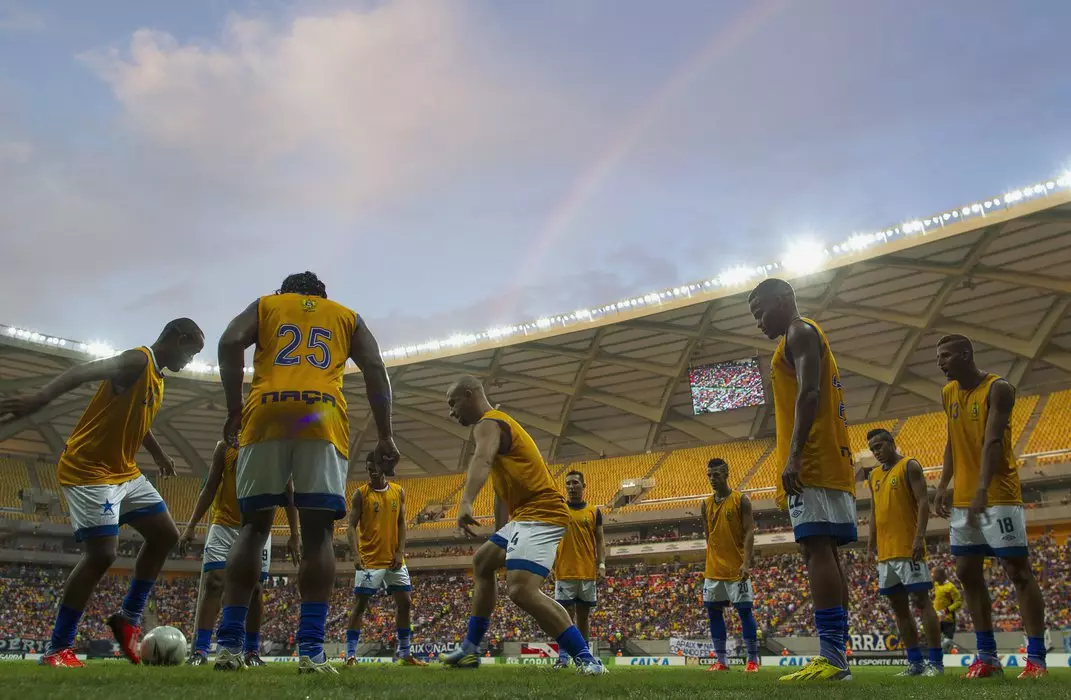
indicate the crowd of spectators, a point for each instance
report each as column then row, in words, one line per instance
column 725, row 386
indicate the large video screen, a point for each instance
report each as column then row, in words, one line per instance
column 724, row 386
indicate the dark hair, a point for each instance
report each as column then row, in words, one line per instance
column 181, row 326
column 580, row 474
column 305, row 283
column 717, row 462
column 960, row 342
column 772, row 287
column 878, row 431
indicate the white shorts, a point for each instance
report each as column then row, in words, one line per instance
column 218, row 547
column 896, row 575
column 1001, row 532
column 318, row 470
column 735, row 592
column 370, row 581
column 575, row 593
column 99, row 510
column 821, row 512
column 530, row 545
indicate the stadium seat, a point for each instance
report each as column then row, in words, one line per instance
column 13, row 478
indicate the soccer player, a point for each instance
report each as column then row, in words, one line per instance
column 220, row 493
column 729, row 530
column 528, row 543
column 817, row 483
column 987, row 516
column 900, row 514
column 102, row 483
column 947, row 601
column 377, row 540
column 581, row 558
column 294, row 426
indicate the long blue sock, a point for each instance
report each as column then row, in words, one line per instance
column 914, row 656
column 202, row 640
column 310, row 635
column 717, row 630
column 987, row 646
column 937, row 657
column 405, row 637
column 231, row 632
column 574, row 643
column 830, row 624
column 563, row 655
column 1035, row 650
column 353, row 640
column 252, row 642
column 135, row 600
column 477, row 629
column 750, row 630
column 65, row 629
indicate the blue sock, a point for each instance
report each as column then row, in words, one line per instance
column 353, row 640
column 563, row 655
column 987, row 646
column 574, row 644
column 717, row 630
column 914, row 656
column 134, row 603
column 830, row 624
column 477, row 629
column 202, row 640
column 66, row 628
column 937, row 657
column 844, row 630
column 405, row 636
column 231, row 632
column 252, row 642
column 750, row 631
column 1035, row 650
column 310, row 635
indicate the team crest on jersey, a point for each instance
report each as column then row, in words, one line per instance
column 894, row 481
column 974, row 410
column 308, row 304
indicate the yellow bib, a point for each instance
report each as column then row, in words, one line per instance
column 378, row 527
column 895, row 510
column 521, row 478
column 225, row 503
column 967, row 412
column 725, row 538
column 576, row 552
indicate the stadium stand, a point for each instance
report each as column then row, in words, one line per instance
column 1053, row 429
column 684, row 472
column 604, row 476
column 13, row 478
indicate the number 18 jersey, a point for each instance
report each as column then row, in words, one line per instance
column 303, row 343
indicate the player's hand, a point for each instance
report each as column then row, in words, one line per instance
column 21, row 406
column 744, row 573
column 167, row 466
column 940, row 502
column 872, row 553
column 232, row 427
column 293, row 549
column 185, row 541
column 918, row 550
column 397, row 560
column 465, row 521
column 358, row 565
column 790, row 476
column 977, row 507
column 386, row 455
column 602, row 571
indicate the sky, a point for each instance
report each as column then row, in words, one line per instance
column 450, row 166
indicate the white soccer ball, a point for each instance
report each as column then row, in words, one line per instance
column 163, row 646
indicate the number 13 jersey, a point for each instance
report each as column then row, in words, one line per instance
column 303, row 343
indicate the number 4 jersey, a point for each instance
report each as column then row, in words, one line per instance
column 302, row 346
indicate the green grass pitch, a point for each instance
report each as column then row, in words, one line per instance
column 111, row 680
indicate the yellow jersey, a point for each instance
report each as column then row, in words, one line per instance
column 377, row 530
column 521, row 478
column 577, row 553
column 967, row 412
column 225, row 503
column 103, row 446
column 946, row 598
column 895, row 510
column 826, row 461
column 725, row 538
column 303, row 343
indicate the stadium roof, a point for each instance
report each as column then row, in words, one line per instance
column 616, row 383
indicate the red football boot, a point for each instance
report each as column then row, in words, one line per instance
column 981, row 669
column 64, row 658
column 1033, row 670
column 128, row 635
column 718, row 666
column 752, row 667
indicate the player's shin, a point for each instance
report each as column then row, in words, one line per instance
column 65, row 629
column 750, row 631
column 718, row 634
column 353, row 640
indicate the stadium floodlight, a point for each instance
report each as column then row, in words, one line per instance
column 804, row 257
column 736, row 276
column 100, row 350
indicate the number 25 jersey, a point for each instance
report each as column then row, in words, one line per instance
column 303, row 343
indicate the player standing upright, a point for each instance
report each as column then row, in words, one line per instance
column 377, row 540
column 581, row 559
column 729, row 530
column 102, row 483
column 947, row 601
column 987, row 517
column 219, row 492
column 294, row 426
column 528, row 543
column 900, row 514
column 818, row 481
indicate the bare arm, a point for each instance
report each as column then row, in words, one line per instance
column 241, row 332
column 152, row 446
column 946, row 465
column 354, row 523
column 748, row 522
column 208, row 491
column 294, row 545
column 917, row 480
column 872, row 542
column 364, row 351
column 399, row 554
column 1001, row 403
column 805, row 347
column 501, row 514
column 487, row 435
column 600, row 541
column 703, row 515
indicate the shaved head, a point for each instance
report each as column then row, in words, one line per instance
column 957, row 343
column 772, row 288
column 773, row 304
column 467, row 400
column 466, row 383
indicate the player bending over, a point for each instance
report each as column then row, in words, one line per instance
column 730, row 534
column 219, row 493
column 901, row 512
column 377, row 540
column 527, row 544
column 817, row 484
column 102, row 483
column 987, row 503
column 581, row 558
column 947, row 601
column 294, row 427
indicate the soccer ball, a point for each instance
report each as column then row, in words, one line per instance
column 163, row 646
